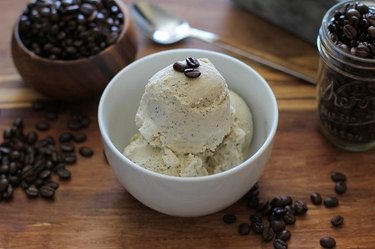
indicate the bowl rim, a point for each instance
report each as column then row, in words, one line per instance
column 125, row 28
column 235, row 169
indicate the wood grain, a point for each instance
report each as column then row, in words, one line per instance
column 93, row 210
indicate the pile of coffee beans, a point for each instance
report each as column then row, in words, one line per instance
column 70, row 29
column 352, row 29
column 189, row 67
column 28, row 161
column 272, row 217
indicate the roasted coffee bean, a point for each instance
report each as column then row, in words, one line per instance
column 4, row 169
column 42, row 126
column 31, row 137
column 255, row 218
column 46, row 192
column 267, row 210
column 289, row 218
column 337, row 220
column 268, row 234
column 278, row 225
column 280, row 244
column 261, row 205
column 229, row 218
column 244, row 229
column 32, row 191
column 79, row 137
column 179, row 66
column 70, row 158
column 52, row 184
column 67, row 147
column 65, row 137
column 192, row 62
column 338, row 176
column 316, row 198
column 331, row 202
column 300, row 207
column 86, row 151
column 8, row 194
column 257, row 227
column 192, row 73
column 340, row 187
column 63, row 173
column 45, row 174
column 4, row 183
column 277, row 213
column 328, row 242
column 284, row 235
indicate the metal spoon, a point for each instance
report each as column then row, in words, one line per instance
column 164, row 28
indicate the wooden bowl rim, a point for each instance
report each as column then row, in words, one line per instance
column 125, row 28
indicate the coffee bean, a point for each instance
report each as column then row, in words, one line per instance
column 86, row 151
column 79, row 137
column 278, row 225
column 337, row 220
column 192, row 73
column 67, row 147
column 284, row 235
column 70, row 158
column 52, row 184
column 46, row 192
column 280, row 244
column 42, row 126
column 63, row 173
column 255, row 219
column 289, row 218
column 300, row 207
column 268, row 234
column 331, row 202
column 192, row 62
column 31, row 137
column 45, row 174
column 277, row 213
column 32, row 191
column 338, row 176
column 340, row 187
column 4, row 169
column 179, row 66
column 65, row 137
column 257, row 227
column 4, row 183
column 229, row 218
column 327, row 242
column 316, row 198
column 244, row 229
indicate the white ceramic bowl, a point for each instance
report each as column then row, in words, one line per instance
column 185, row 196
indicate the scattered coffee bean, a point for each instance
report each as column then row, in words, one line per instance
column 337, row 220
column 340, row 187
column 32, row 191
column 244, row 229
column 328, row 242
column 331, row 202
column 67, row 147
column 65, row 137
column 79, row 137
column 316, row 198
column 280, row 244
column 63, row 173
column 300, row 207
column 278, row 225
column 289, row 218
column 42, row 126
column 46, row 192
column 284, row 235
column 337, row 176
column 229, row 218
column 268, row 233
column 86, row 151
column 257, row 227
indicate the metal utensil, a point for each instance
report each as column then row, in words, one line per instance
column 164, row 28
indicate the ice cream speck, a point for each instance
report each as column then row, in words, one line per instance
column 190, row 124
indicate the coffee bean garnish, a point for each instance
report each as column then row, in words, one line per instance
column 189, row 67
column 316, row 198
column 331, row 202
column 192, row 73
column 328, row 242
column 337, row 220
column 68, row 30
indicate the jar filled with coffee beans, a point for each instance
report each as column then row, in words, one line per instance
column 346, row 78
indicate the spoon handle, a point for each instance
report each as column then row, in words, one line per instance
column 266, row 60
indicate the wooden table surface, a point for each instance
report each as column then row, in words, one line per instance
column 93, row 210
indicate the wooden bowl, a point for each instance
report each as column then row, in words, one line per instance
column 80, row 79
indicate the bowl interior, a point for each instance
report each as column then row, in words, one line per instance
column 120, row 100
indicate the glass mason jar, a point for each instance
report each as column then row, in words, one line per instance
column 346, row 83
